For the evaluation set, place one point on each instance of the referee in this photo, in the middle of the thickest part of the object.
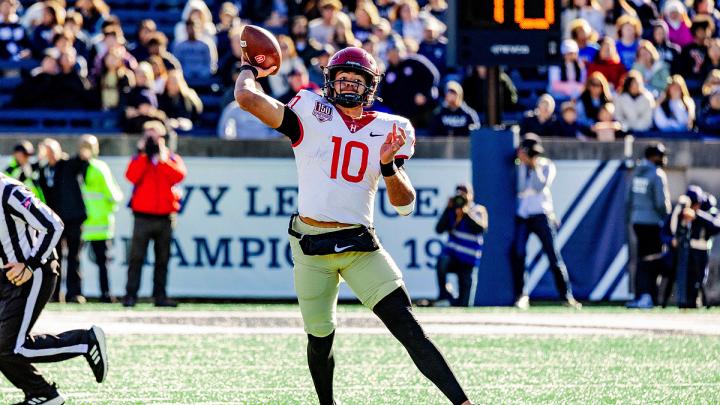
(29, 231)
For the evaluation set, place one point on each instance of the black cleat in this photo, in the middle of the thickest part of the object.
(129, 302)
(52, 397)
(167, 303)
(97, 354)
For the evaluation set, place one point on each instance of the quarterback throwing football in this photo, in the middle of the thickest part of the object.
(341, 152)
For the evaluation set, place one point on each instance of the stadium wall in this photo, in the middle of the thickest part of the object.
(231, 236)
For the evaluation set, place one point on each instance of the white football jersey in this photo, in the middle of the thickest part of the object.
(338, 159)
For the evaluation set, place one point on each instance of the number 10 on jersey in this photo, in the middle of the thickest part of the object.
(347, 156)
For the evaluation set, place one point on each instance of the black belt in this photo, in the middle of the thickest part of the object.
(356, 239)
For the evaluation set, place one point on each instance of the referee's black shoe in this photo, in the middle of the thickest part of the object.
(97, 354)
(52, 397)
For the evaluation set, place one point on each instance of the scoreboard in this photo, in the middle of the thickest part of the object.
(508, 32)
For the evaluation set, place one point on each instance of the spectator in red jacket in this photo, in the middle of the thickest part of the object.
(154, 172)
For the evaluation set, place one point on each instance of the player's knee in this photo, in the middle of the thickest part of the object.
(320, 346)
(395, 311)
(320, 329)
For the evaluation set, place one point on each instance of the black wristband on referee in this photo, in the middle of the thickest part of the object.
(250, 68)
(388, 169)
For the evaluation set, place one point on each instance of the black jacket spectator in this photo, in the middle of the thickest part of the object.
(139, 49)
(541, 121)
(692, 57)
(142, 102)
(53, 16)
(531, 123)
(41, 40)
(709, 118)
(258, 10)
(71, 89)
(228, 62)
(454, 117)
(304, 47)
(646, 12)
(435, 49)
(13, 37)
(179, 100)
(454, 122)
(157, 46)
(476, 90)
(59, 183)
(33, 92)
(409, 87)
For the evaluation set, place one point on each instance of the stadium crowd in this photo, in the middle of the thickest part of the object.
(629, 66)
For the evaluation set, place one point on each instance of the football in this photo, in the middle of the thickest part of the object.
(260, 48)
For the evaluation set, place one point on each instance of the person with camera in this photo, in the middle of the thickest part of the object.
(154, 173)
(465, 222)
(536, 214)
(647, 205)
(688, 231)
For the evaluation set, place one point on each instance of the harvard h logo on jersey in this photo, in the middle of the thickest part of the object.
(322, 112)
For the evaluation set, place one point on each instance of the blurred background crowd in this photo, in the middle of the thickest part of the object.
(629, 66)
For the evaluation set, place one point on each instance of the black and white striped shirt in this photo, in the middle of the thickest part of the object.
(29, 229)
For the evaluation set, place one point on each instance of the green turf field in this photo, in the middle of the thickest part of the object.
(374, 369)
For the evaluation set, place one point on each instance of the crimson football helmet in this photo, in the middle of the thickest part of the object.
(356, 60)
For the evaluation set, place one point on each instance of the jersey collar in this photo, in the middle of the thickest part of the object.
(356, 124)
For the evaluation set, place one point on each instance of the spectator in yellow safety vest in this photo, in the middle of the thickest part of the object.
(101, 195)
(23, 169)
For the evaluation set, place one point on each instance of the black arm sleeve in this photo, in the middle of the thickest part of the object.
(290, 125)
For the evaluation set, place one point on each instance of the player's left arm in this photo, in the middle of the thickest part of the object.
(400, 191)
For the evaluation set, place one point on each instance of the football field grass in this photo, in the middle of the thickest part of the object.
(248, 368)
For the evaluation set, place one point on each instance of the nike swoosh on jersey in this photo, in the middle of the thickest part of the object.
(340, 249)
(373, 135)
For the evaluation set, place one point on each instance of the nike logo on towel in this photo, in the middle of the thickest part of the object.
(340, 249)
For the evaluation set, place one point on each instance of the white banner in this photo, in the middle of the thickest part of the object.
(231, 236)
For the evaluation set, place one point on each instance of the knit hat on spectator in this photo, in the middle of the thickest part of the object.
(695, 194)
(569, 46)
(456, 88)
(568, 105)
(662, 24)
(25, 147)
(532, 145)
(230, 9)
(157, 126)
(396, 42)
(674, 6)
(432, 24)
(330, 3)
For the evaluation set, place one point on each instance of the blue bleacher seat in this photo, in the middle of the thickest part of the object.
(12, 120)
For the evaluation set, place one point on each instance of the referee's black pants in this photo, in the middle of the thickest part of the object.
(19, 309)
(72, 240)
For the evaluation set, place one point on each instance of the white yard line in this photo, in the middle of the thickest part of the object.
(290, 323)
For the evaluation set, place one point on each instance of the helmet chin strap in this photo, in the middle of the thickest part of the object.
(349, 100)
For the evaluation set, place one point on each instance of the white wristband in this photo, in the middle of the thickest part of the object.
(405, 210)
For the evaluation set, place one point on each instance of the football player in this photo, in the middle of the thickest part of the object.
(342, 152)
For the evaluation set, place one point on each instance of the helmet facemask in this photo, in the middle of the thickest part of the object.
(360, 95)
